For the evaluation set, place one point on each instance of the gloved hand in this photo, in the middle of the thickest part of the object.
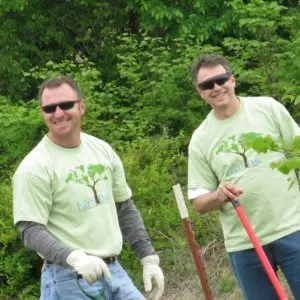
(90, 267)
(152, 270)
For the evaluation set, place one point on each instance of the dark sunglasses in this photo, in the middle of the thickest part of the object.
(51, 108)
(210, 83)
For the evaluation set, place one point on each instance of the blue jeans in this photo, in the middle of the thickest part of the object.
(252, 278)
(60, 283)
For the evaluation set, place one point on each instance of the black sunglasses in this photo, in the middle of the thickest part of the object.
(51, 108)
(210, 83)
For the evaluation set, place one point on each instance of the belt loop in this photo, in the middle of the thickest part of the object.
(44, 265)
(110, 260)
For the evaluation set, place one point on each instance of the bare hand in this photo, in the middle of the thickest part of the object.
(228, 191)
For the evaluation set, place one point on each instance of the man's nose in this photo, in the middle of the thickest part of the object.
(58, 112)
(216, 86)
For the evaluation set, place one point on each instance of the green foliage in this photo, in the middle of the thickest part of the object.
(151, 174)
(258, 142)
(36, 32)
(292, 161)
(83, 71)
(239, 144)
(263, 144)
(154, 89)
(12, 6)
(153, 166)
(18, 266)
(29, 37)
(287, 165)
(227, 283)
(208, 20)
(22, 128)
(264, 49)
(132, 60)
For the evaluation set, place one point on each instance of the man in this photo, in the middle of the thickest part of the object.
(221, 168)
(72, 205)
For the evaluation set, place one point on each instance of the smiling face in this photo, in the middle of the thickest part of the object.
(64, 125)
(220, 97)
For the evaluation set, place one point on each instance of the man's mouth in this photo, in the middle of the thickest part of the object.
(60, 123)
(219, 94)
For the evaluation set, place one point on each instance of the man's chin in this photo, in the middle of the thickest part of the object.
(60, 133)
(222, 102)
(220, 98)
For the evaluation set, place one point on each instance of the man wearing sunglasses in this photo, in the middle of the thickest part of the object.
(72, 205)
(221, 168)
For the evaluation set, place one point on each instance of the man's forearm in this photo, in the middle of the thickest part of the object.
(133, 229)
(206, 202)
(36, 237)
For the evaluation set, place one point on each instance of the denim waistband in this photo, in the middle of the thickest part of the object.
(108, 260)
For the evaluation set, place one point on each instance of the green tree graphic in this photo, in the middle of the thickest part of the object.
(88, 176)
(239, 145)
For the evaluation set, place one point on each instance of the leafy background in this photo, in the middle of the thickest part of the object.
(132, 59)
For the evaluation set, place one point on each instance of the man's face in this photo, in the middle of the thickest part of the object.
(64, 124)
(218, 96)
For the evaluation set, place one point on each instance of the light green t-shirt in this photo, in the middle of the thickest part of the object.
(72, 191)
(216, 155)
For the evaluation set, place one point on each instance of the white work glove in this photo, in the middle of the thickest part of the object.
(90, 267)
(152, 270)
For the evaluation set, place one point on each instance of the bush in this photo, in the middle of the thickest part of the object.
(22, 128)
(153, 166)
(19, 267)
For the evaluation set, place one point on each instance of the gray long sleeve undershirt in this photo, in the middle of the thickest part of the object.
(36, 237)
(133, 229)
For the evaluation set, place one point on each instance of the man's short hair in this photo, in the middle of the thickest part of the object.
(209, 60)
(56, 82)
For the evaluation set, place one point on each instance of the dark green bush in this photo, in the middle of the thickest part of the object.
(153, 166)
(19, 268)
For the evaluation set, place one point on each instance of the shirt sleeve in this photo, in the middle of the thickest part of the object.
(36, 237)
(197, 192)
(121, 190)
(133, 229)
(32, 197)
(200, 175)
(287, 126)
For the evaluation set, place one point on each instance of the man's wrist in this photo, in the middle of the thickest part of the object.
(150, 259)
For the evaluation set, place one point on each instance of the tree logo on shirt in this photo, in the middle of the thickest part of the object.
(239, 145)
(88, 176)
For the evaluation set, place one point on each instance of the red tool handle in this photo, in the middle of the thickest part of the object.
(259, 250)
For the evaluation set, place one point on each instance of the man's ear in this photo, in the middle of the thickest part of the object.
(233, 80)
(198, 91)
(82, 107)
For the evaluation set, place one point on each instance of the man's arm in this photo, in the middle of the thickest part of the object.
(133, 229)
(206, 202)
(36, 237)
(212, 200)
(134, 232)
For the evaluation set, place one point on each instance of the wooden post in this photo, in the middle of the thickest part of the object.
(196, 252)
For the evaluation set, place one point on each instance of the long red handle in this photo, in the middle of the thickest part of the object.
(196, 252)
(259, 250)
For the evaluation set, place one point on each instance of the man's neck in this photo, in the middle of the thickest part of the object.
(223, 113)
(70, 142)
